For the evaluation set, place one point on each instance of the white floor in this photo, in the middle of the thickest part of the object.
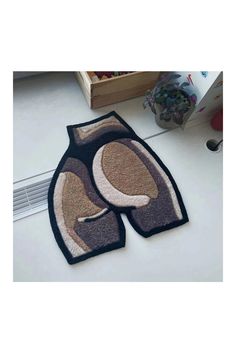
(43, 106)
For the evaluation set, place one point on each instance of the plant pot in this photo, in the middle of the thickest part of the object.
(171, 124)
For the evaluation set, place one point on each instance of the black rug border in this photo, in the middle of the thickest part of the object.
(122, 232)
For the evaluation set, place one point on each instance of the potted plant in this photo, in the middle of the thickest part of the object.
(172, 102)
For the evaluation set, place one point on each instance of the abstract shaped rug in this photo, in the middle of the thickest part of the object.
(107, 170)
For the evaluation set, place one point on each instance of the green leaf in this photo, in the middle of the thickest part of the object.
(184, 84)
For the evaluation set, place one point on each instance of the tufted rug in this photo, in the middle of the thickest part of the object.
(108, 170)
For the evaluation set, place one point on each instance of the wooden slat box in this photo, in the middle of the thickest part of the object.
(116, 89)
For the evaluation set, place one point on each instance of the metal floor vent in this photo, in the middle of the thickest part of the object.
(30, 199)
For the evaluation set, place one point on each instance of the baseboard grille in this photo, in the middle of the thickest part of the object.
(30, 199)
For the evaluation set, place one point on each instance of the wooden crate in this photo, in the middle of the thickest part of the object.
(116, 89)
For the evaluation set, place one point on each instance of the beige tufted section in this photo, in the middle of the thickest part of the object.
(72, 246)
(109, 191)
